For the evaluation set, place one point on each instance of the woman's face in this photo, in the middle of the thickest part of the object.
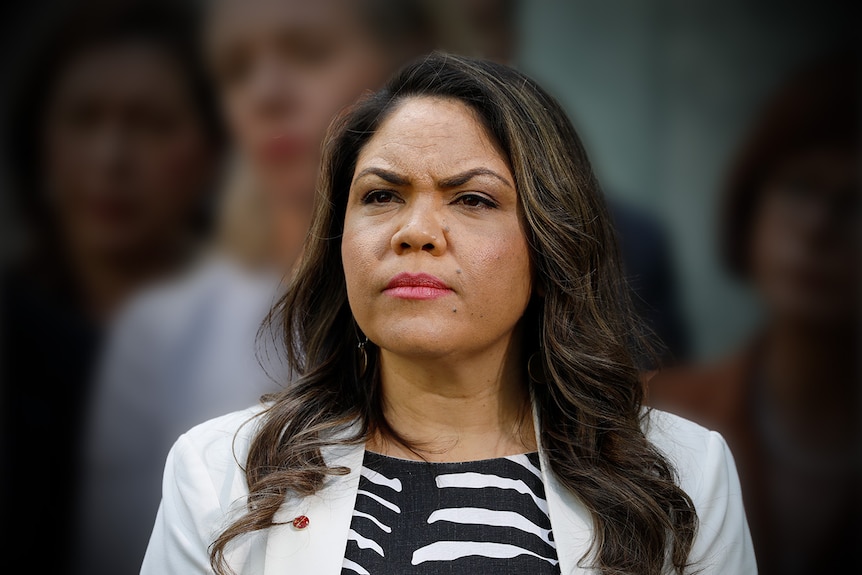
(285, 68)
(126, 157)
(805, 245)
(435, 256)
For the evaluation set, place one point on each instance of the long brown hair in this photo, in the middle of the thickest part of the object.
(582, 374)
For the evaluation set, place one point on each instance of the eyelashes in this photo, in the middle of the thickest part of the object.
(476, 201)
(467, 199)
(378, 197)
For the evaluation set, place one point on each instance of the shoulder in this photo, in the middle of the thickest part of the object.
(672, 433)
(204, 490)
(706, 471)
(178, 294)
(212, 300)
(693, 449)
(204, 474)
(223, 442)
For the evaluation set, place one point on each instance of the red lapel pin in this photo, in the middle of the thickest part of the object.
(300, 522)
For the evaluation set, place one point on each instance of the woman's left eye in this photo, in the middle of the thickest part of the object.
(475, 201)
(378, 197)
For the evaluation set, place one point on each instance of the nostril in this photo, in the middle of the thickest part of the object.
(405, 246)
(428, 247)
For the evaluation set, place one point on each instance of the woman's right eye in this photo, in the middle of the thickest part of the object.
(379, 197)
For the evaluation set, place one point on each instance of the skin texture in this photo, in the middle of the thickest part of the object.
(284, 69)
(445, 368)
(126, 154)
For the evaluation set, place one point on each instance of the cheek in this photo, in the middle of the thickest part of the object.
(359, 249)
(68, 161)
(502, 270)
(183, 158)
(766, 248)
(173, 174)
(240, 117)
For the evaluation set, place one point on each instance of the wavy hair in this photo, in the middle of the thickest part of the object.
(582, 373)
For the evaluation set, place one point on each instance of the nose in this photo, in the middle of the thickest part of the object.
(111, 152)
(272, 89)
(422, 229)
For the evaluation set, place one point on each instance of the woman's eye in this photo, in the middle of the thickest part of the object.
(378, 197)
(475, 201)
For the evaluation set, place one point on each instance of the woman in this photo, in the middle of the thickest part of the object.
(788, 401)
(113, 145)
(460, 336)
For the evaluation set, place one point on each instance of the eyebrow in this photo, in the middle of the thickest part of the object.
(464, 177)
(450, 182)
(390, 177)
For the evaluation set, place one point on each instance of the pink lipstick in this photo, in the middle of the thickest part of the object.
(416, 286)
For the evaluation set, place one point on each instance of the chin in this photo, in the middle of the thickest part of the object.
(421, 344)
(416, 347)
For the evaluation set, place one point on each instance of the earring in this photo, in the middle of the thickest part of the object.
(363, 356)
(530, 369)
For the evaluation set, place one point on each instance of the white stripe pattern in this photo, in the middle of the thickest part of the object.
(355, 567)
(379, 500)
(471, 480)
(379, 479)
(525, 462)
(380, 524)
(481, 516)
(488, 515)
(364, 542)
(450, 550)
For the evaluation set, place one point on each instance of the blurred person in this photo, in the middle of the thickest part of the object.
(189, 349)
(467, 399)
(788, 401)
(113, 144)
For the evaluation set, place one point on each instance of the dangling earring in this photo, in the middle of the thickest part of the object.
(532, 377)
(363, 356)
(541, 355)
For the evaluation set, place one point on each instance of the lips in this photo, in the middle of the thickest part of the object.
(417, 287)
(283, 147)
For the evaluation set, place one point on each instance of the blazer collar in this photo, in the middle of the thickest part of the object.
(319, 548)
(571, 523)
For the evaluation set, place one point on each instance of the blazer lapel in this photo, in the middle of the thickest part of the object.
(571, 523)
(319, 547)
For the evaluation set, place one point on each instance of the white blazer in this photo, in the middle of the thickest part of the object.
(205, 489)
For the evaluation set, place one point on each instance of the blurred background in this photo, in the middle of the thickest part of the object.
(725, 135)
(663, 93)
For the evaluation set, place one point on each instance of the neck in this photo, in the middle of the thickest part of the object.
(454, 411)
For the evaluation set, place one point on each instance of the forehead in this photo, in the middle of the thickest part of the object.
(231, 20)
(440, 133)
(131, 68)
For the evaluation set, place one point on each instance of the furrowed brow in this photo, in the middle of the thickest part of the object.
(386, 175)
(464, 177)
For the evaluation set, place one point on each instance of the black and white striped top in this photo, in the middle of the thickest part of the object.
(486, 516)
